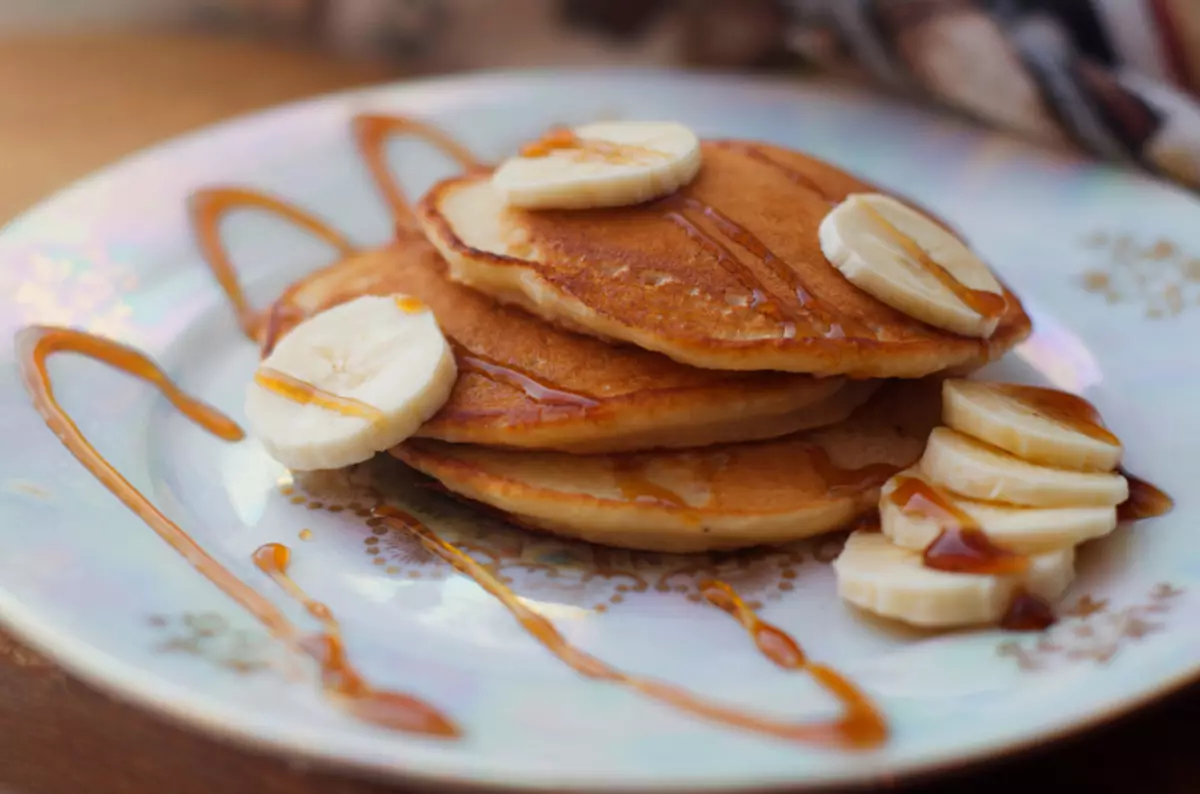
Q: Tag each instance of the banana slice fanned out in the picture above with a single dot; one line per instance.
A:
(349, 382)
(1026, 530)
(880, 577)
(976, 470)
(609, 164)
(902, 258)
(1039, 425)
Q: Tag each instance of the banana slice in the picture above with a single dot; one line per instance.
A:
(904, 259)
(977, 470)
(349, 382)
(876, 575)
(1027, 530)
(608, 164)
(1043, 426)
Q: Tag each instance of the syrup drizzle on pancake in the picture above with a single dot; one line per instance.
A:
(305, 393)
(535, 388)
(339, 680)
(799, 177)
(861, 727)
(797, 305)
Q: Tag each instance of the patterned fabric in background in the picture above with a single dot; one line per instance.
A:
(1118, 78)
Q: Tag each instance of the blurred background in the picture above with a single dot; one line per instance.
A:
(1116, 78)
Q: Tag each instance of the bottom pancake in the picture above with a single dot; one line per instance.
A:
(720, 497)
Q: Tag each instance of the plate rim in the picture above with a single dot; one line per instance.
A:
(173, 703)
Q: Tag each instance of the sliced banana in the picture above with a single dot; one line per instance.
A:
(976, 470)
(1027, 530)
(609, 164)
(349, 382)
(876, 575)
(1039, 425)
(896, 254)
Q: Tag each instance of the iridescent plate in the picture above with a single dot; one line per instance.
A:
(1107, 261)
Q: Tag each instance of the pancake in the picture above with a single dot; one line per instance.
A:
(726, 273)
(524, 383)
(719, 497)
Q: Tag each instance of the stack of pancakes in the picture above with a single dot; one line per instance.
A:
(681, 375)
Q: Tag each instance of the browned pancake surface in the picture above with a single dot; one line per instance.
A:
(726, 273)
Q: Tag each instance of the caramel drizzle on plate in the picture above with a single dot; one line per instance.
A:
(209, 206)
(339, 678)
(862, 726)
(961, 545)
(305, 393)
(340, 682)
(371, 135)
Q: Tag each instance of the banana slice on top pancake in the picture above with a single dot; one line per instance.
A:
(525, 383)
(727, 272)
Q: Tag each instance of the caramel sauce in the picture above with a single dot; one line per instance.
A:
(799, 177)
(340, 680)
(410, 305)
(1062, 407)
(988, 305)
(555, 139)
(1027, 612)
(861, 728)
(801, 307)
(962, 546)
(277, 315)
(561, 139)
(536, 389)
(34, 346)
(305, 393)
(630, 475)
(960, 549)
(838, 480)
(1145, 500)
(209, 206)
(861, 725)
(371, 134)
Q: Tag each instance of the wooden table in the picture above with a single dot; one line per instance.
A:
(69, 106)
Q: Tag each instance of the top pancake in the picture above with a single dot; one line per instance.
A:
(726, 273)
(524, 383)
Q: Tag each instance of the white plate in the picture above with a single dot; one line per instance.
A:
(84, 580)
